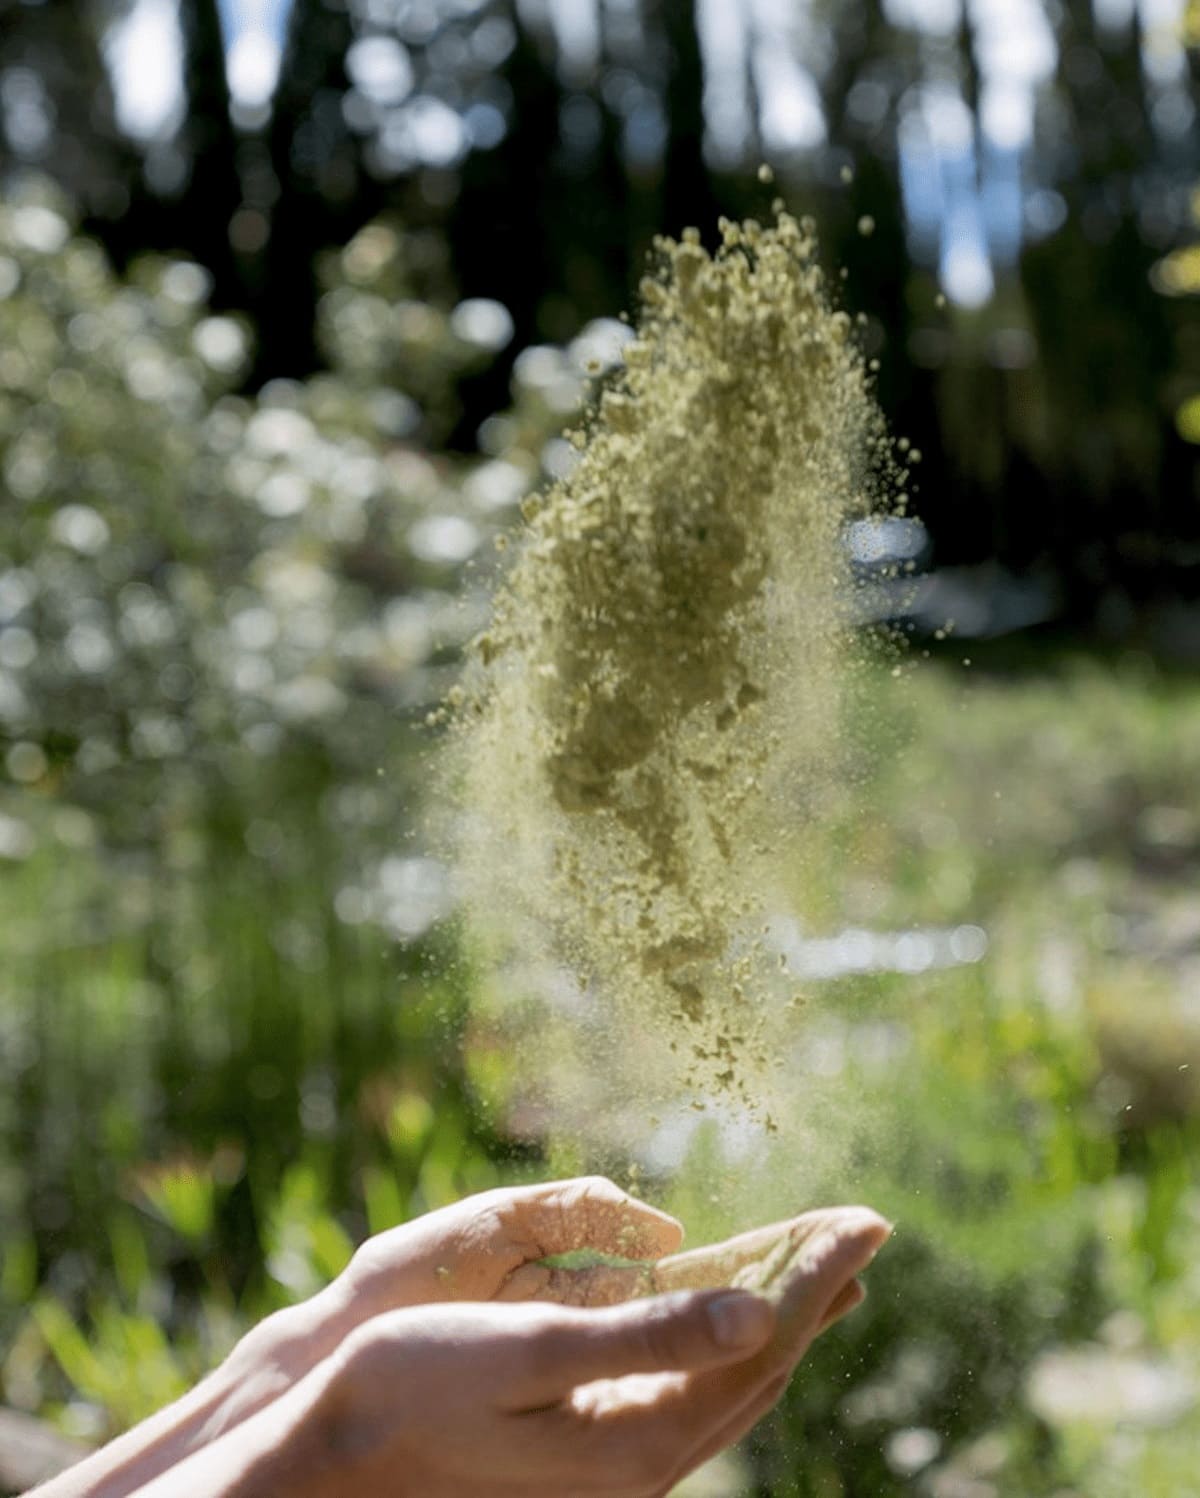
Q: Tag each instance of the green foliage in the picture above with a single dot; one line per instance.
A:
(234, 1037)
(184, 1196)
(237, 560)
(1034, 1134)
(1057, 421)
(1026, 1118)
(221, 622)
(306, 1247)
(125, 1364)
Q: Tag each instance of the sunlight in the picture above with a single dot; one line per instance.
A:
(145, 55)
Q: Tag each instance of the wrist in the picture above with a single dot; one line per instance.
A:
(284, 1448)
(279, 1352)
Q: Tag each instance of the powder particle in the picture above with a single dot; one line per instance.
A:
(649, 718)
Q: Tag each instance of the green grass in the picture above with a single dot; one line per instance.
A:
(212, 1086)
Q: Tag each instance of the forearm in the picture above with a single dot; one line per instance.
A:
(268, 1362)
(127, 1463)
(279, 1450)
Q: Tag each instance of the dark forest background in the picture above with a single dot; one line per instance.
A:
(1053, 419)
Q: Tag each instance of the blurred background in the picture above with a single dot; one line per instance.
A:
(295, 299)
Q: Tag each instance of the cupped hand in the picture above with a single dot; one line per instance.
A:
(547, 1401)
(813, 1263)
(483, 1248)
(490, 1246)
(499, 1398)
(738, 1261)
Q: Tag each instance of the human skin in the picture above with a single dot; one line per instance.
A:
(419, 1370)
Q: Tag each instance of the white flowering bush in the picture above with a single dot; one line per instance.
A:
(196, 585)
(190, 578)
(223, 619)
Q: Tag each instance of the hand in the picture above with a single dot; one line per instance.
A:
(492, 1247)
(550, 1402)
(474, 1250)
(482, 1248)
(310, 1369)
(735, 1262)
(489, 1247)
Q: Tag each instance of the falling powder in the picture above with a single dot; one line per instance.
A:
(643, 732)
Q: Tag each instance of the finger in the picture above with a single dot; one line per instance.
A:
(850, 1299)
(738, 1421)
(682, 1333)
(733, 1262)
(566, 1217)
(594, 1213)
(741, 1418)
(738, 1260)
(601, 1285)
(631, 1435)
(684, 1420)
(716, 1264)
(695, 1416)
(647, 1431)
(808, 1289)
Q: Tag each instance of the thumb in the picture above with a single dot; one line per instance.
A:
(685, 1332)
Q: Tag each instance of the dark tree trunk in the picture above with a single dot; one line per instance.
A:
(324, 196)
(688, 193)
(58, 42)
(507, 224)
(204, 218)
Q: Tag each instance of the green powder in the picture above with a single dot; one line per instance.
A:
(646, 727)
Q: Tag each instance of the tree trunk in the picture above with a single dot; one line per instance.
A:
(209, 141)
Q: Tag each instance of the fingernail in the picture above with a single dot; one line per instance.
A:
(739, 1320)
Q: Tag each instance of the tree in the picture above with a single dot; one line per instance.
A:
(324, 194)
(209, 143)
(1104, 338)
(56, 104)
(688, 194)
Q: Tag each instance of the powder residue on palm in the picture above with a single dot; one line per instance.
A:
(807, 1268)
(651, 714)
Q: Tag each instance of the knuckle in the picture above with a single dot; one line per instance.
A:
(663, 1330)
(600, 1189)
(375, 1257)
(383, 1346)
(366, 1260)
(361, 1357)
